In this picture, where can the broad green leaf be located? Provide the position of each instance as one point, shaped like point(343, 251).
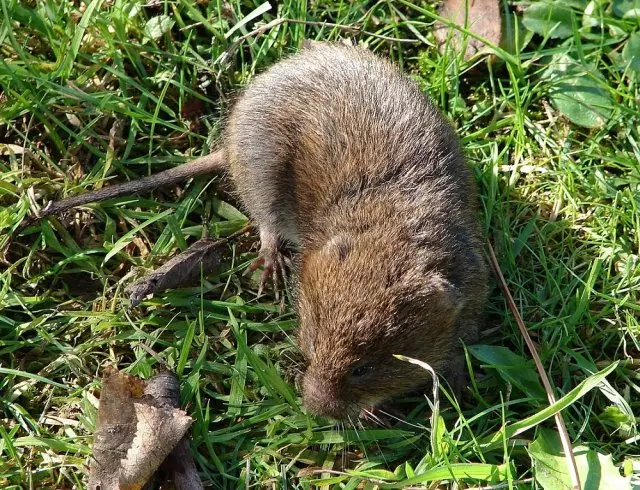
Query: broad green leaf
point(554, 20)
point(632, 14)
point(579, 92)
point(622, 8)
point(158, 26)
point(513, 368)
point(596, 470)
point(592, 14)
point(631, 51)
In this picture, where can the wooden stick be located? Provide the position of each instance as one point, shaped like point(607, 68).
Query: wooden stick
point(562, 429)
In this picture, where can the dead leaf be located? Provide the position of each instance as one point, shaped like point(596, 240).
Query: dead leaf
point(183, 269)
point(9, 149)
point(482, 17)
point(140, 429)
point(164, 388)
point(157, 433)
point(115, 427)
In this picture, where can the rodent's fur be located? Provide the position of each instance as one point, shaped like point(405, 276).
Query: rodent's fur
point(336, 152)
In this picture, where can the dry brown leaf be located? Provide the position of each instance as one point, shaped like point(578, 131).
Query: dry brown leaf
point(139, 430)
point(114, 429)
point(185, 268)
point(9, 149)
point(158, 432)
point(164, 388)
point(482, 17)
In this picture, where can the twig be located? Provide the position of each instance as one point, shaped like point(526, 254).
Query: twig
point(562, 429)
point(245, 229)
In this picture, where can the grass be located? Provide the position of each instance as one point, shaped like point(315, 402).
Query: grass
point(112, 90)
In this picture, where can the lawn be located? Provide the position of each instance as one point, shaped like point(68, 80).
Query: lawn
point(103, 91)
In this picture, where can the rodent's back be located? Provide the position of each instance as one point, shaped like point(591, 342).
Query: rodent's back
point(346, 122)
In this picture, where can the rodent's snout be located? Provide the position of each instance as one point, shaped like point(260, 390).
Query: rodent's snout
point(323, 397)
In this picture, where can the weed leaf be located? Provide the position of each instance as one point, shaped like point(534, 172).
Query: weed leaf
point(158, 26)
point(552, 20)
point(578, 91)
point(631, 52)
point(513, 368)
point(596, 470)
point(626, 8)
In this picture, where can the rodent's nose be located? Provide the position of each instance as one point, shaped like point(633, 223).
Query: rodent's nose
point(322, 398)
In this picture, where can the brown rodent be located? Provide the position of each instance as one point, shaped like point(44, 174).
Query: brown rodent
point(335, 152)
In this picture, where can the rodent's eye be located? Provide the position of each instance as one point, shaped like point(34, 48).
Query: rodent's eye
point(360, 370)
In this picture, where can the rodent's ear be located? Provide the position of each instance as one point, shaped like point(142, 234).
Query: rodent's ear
point(448, 296)
point(338, 247)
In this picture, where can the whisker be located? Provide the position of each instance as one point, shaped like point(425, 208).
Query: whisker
point(361, 444)
point(386, 463)
point(355, 429)
point(345, 447)
point(417, 426)
point(374, 417)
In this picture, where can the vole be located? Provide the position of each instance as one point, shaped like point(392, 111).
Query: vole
point(336, 153)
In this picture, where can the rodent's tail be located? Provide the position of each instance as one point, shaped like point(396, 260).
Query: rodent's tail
point(208, 164)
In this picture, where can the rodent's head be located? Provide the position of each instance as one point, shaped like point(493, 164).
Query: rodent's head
point(360, 301)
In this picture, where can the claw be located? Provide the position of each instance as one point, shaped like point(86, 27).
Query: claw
point(254, 266)
point(274, 263)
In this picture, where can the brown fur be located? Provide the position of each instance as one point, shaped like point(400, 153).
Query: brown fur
point(334, 151)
